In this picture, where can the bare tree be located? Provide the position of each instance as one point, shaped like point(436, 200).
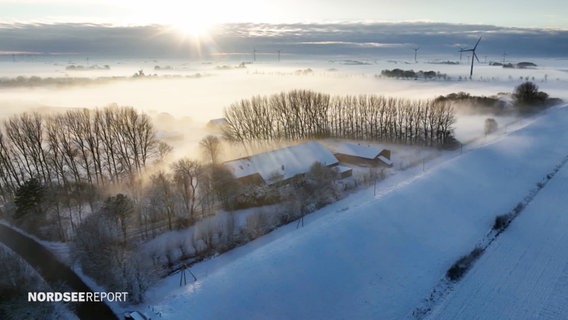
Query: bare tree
point(162, 196)
point(211, 147)
point(187, 175)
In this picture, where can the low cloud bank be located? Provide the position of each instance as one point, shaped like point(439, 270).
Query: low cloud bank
point(291, 39)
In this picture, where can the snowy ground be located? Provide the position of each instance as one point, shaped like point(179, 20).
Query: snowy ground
point(524, 274)
point(377, 257)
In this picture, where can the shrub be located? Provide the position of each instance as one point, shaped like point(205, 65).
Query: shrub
point(527, 95)
point(518, 208)
point(458, 269)
point(491, 126)
point(257, 224)
point(501, 222)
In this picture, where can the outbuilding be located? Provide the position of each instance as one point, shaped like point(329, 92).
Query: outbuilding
point(361, 155)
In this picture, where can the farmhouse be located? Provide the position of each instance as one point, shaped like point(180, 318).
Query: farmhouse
point(281, 165)
point(363, 155)
point(216, 124)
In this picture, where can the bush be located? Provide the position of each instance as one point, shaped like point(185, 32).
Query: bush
point(104, 254)
point(459, 268)
point(491, 126)
point(520, 206)
point(501, 222)
point(527, 95)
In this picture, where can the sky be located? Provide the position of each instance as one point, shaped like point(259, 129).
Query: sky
point(187, 29)
point(201, 14)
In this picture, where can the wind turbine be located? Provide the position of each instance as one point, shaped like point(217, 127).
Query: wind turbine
point(415, 54)
point(473, 56)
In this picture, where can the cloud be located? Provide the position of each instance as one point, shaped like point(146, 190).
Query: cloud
point(356, 44)
point(293, 39)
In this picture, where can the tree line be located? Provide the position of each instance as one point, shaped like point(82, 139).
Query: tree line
point(100, 146)
point(411, 74)
point(304, 114)
point(54, 167)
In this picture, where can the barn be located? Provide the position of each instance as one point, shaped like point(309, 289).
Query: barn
point(281, 165)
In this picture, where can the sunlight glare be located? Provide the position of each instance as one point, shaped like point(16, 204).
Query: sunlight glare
point(193, 26)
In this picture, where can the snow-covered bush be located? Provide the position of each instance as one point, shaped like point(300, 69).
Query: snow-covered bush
point(105, 255)
point(256, 196)
point(257, 225)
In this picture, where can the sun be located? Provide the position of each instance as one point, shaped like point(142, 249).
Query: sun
point(193, 23)
point(193, 27)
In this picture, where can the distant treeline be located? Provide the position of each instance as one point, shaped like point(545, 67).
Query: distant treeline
point(301, 114)
point(411, 74)
point(35, 81)
point(525, 99)
point(86, 68)
point(479, 103)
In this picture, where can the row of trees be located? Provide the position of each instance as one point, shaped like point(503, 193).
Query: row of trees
point(411, 74)
point(301, 114)
point(53, 166)
point(100, 146)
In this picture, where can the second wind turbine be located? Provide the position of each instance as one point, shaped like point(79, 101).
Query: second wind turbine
point(473, 56)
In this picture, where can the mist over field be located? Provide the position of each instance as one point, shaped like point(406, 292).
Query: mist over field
point(199, 90)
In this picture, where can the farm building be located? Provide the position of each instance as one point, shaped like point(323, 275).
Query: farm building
point(363, 155)
point(281, 165)
point(216, 124)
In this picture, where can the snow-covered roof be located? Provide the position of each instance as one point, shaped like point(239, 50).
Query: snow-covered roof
point(385, 160)
point(282, 163)
point(357, 150)
point(342, 169)
point(217, 122)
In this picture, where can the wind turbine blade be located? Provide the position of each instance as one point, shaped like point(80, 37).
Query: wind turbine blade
point(476, 58)
point(475, 47)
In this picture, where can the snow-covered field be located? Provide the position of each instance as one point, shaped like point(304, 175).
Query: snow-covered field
point(377, 257)
point(524, 274)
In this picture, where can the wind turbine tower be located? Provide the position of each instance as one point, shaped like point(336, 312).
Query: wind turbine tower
point(473, 56)
point(416, 54)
